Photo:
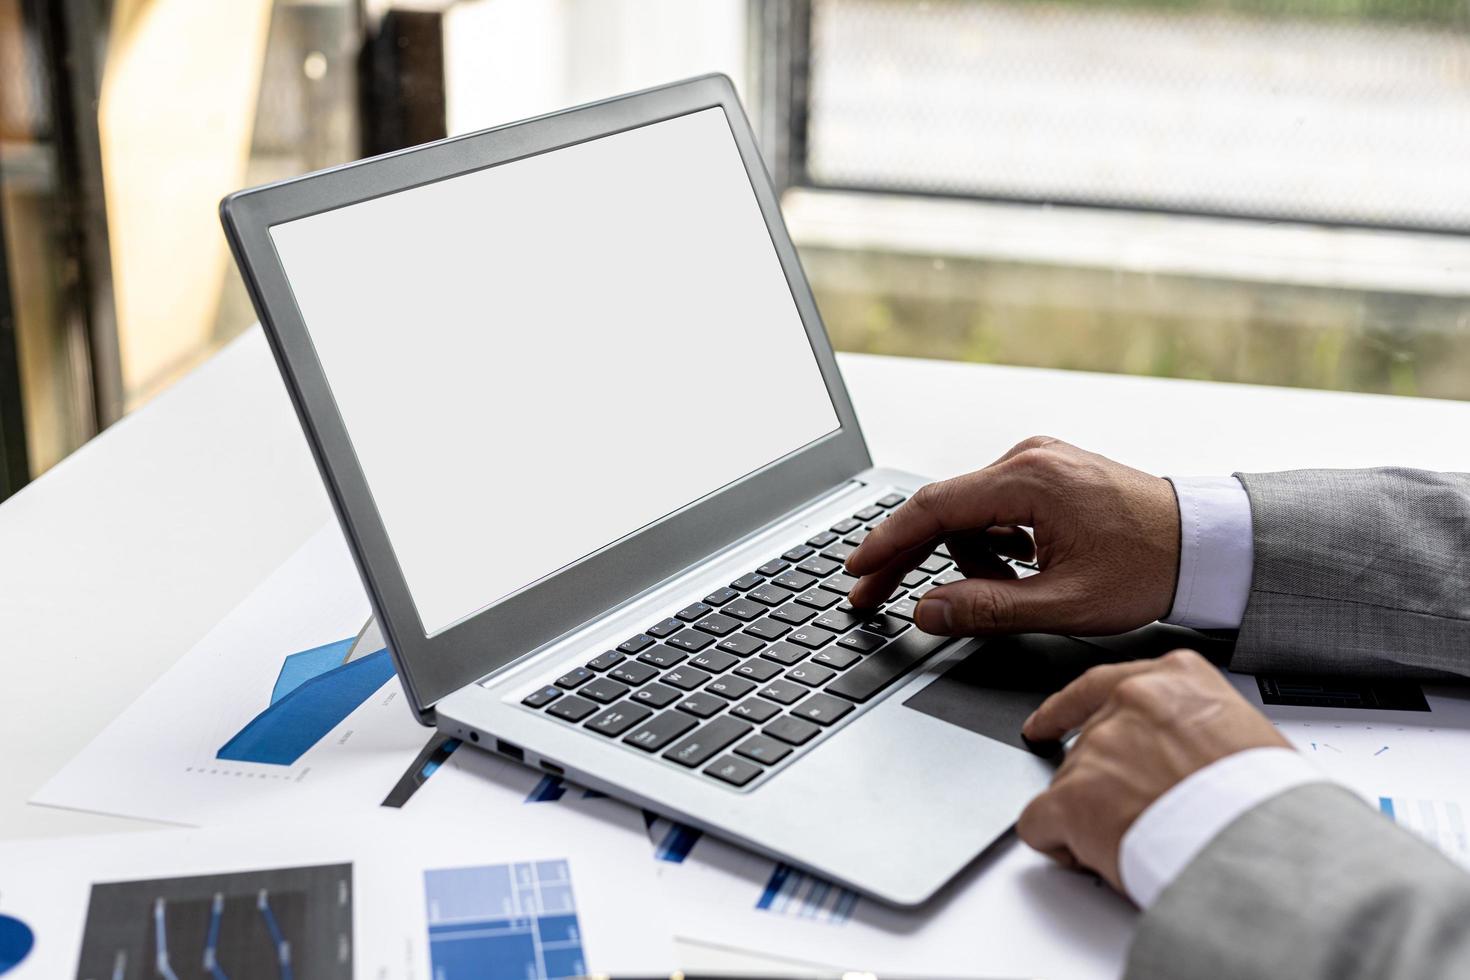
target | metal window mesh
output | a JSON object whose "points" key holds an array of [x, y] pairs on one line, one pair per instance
{"points": [[1354, 111]]}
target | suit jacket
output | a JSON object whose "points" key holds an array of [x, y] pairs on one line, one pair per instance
{"points": [[1356, 571]]}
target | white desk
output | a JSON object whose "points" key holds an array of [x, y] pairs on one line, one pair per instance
{"points": [[117, 561]]}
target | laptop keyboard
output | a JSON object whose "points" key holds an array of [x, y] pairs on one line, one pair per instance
{"points": [[732, 685]]}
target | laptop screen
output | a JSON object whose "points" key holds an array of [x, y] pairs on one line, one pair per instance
{"points": [[535, 360]]}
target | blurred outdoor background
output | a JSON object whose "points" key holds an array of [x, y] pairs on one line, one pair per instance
{"points": [[1263, 191]]}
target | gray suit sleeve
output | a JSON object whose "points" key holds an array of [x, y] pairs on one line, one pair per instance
{"points": [[1312, 884], [1358, 571]]}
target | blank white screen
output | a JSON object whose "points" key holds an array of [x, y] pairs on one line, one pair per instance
{"points": [[535, 360]]}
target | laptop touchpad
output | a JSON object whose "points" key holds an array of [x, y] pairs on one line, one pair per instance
{"points": [[991, 691]]}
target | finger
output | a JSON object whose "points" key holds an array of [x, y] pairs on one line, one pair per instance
{"points": [[1012, 542], [1070, 707], [981, 499], [982, 607], [875, 588], [983, 564], [1031, 442], [1043, 827]]}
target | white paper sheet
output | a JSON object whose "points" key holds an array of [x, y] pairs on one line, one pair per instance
{"points": [[1401, 762], [160, 758], [384, 895], [1013, 913]]}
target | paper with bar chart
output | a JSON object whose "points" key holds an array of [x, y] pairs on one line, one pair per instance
{"points": [[271, 710], [1393, 743], [385, 895]]}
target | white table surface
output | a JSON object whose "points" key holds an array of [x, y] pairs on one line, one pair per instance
{"points": [[119, 559]]}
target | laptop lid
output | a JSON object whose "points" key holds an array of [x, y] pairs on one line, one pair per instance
{"points": [[546, 366]]}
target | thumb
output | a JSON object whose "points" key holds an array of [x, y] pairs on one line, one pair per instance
{"points": [[978, 606]]}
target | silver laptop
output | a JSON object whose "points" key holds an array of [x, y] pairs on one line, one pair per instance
{"points": [[583, 429]]}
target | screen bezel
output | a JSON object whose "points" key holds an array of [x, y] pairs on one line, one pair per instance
{"points": [[431, 667]]}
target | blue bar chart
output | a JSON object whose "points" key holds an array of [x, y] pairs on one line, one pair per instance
{"points": [[503, 922]]}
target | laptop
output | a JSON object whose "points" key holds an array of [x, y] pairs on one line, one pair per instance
{"points": [[583, 429]]}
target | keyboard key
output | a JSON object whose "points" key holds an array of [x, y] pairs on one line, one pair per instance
{"points": [[933, 565], [702, 705], [783, 692], [685, 678], [691, 641], [693, 611], [661, 630], [618, 719], [857, 537], [660, 730], [768, 629], [736, 772], [838, 620], [572, 708], [922, 591], [747, 581], [818, 566], [812, 637], [818, 598], [885, 625], [774, 567], [784, 653], [720, 596], [861, 642], [836, 657], [740, 644], [756, 710], [794, 731], [656, 695], [637, 644], [758, 670], [914, 578], [661, 656], [714, 661], [793, 613], [794, 580], [903, 610], [841, 583], [868, 513], [603, 661], [743, 608], [717, 625], [822, 709], [763, 749], [574, 678], [886, 666], [707, 739], [848, 524], [812, 675], [771, 595], [730, 687], [541, 698], [950, 577], [821, 540], [838, 552], [604, 690], [633, 673], [891, 500], [797, 553]]}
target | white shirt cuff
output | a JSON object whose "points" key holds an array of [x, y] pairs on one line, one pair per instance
{"points": [[1215, 553], [1179, 824]]}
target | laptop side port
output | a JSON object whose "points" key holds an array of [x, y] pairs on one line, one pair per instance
{"points": [[553, 768], [513, 751]]}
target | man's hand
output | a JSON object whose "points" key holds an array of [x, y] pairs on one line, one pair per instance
{"points": [[1145, 725], [1107, 542]]}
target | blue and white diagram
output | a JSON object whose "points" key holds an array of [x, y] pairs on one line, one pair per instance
{"points": [[503, 922], [802, 896]]}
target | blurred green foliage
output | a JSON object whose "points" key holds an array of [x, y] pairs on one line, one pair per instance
{"points": [[1133, 323]]}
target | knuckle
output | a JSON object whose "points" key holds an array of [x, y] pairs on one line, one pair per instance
{"points": [[1183, 658], [1134, 691]]}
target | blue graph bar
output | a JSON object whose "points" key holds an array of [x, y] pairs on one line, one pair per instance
{"points": [[311, 708], [503, 922], [800, 895], [1385, 805]]}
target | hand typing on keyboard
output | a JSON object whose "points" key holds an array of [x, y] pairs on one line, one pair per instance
{"points": [[1106, 544]]}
